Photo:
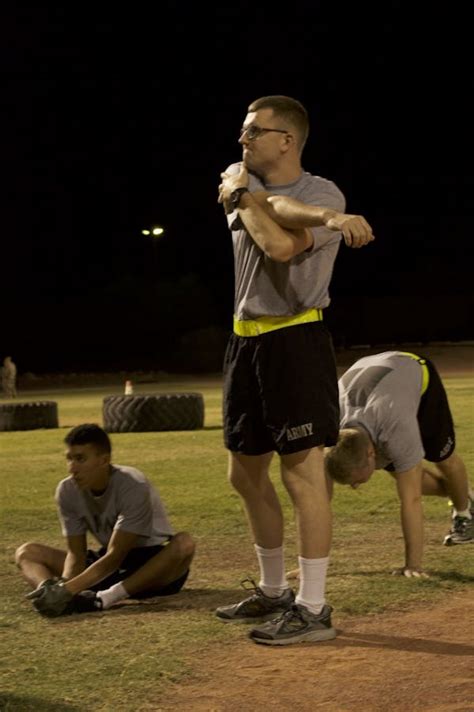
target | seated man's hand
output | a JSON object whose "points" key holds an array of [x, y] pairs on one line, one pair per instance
{"points": [[44, 584], [410, 573], [51, 599]]}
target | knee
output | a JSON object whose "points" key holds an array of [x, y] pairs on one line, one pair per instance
{"points": [[302, 488], [185, 545], [25, 552], [248, 484], [452, 465], [239, 483]]}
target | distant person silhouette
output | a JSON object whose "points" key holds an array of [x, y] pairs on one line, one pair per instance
{"points": [[9, 378]]}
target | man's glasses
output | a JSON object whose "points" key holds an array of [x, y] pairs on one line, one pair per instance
{"points": [[253, 131]]}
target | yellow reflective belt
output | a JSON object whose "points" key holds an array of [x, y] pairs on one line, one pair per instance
{"points": [[424, 368], [272, 323]]}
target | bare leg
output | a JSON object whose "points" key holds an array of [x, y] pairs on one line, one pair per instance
{"points": [[38, 562], [433, 483], [457, 485], [248, 474], [304, 478], [164, 568]]}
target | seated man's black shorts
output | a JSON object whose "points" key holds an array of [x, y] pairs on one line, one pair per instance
{"points": [[135, 559]]}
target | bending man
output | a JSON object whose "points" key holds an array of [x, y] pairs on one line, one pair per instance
{"points": [[394, 416]]}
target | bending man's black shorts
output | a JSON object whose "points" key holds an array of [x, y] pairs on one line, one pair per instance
{"points": [[435, 419]]}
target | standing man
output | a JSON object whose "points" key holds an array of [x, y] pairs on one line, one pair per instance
{"points": [[139, 555], [280, 391], [395, 414], [9, 377]]}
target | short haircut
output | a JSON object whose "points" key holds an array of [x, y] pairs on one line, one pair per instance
{"points": [[290, 110], [89, 434], [349, 453]]}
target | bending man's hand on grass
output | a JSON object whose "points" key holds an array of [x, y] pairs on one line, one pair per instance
{"points": [[410, 573]]}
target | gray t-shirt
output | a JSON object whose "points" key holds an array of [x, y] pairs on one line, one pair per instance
{"points": [[264, 287], [129, 503], [382, 393]]}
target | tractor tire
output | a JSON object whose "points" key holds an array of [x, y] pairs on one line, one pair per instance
{"points": [[141, 414], [28, 416]]}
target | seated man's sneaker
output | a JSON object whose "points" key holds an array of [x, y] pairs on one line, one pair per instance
{"points": [[297, 625], [257, 607], [85, 602]]}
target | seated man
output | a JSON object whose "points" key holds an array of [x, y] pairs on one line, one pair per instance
{"points": [[395, 414], [139, 555]]}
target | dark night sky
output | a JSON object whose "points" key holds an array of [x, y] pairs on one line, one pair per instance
{"points": [[115, 120]]}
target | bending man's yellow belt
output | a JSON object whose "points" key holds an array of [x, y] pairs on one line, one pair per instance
{"points": [[271, 323], [424, 368]]}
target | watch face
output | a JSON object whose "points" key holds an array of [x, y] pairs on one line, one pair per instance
{"points": [[236, 195]]}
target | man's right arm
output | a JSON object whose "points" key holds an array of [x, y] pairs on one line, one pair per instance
{"points": [[75, 561], [276, 242], [279, 243], [409, 489]]}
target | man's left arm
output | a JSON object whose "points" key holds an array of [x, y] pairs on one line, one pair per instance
{"points": [[55, 600], [121, 542], [409, 487], [293, 214]]}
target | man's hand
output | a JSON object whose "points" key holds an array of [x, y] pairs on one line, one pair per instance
{"points": [[51, 599], [410, 573], [231, 183], [44, 584], [355, 229]]}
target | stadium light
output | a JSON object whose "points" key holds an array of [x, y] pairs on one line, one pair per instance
{"points": [[155, 231]]}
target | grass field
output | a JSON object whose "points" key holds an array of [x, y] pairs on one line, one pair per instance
{"points": [[127, 658]]}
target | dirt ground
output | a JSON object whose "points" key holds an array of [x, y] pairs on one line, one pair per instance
{"points": [[417, 660]]}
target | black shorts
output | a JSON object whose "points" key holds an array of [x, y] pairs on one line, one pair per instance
{"points": [[135, 559], [435, 419], [280, 391]]}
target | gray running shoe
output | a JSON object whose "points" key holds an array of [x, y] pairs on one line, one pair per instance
{"points": [[257, 607], [462, 532], [297, 625]]}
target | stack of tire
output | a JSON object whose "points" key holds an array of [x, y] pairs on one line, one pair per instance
{"points": [[148, 413], [28, 416]]}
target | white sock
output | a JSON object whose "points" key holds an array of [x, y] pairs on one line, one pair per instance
{"points": [[312, 583], [272, 571], [465, 513], [112, 595]]}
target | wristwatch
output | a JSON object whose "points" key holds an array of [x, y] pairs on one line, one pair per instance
{"points": [[235, 196]]}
